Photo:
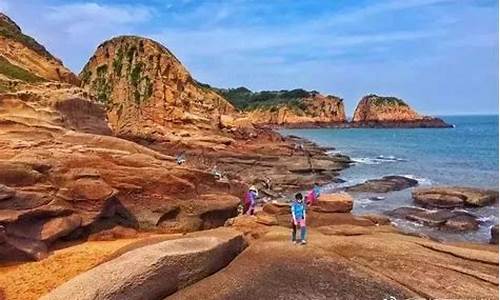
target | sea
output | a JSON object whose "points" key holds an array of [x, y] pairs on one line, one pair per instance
{"points": [[466, 155]]}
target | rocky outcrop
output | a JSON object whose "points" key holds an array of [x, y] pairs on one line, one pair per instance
{"points": [[149, 95], [158, 270], [451, 197], [23, 59], [334, 203], [366, 262], [379, 111], [61, 176], [314, 111], [456, 220], [383, 185]]}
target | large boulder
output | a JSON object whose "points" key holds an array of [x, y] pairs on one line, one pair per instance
{"points": [[450, 197], [383, 185], [334, 203], [158, 270]]}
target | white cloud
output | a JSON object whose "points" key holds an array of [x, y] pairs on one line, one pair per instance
{"points": [[99, 14]]}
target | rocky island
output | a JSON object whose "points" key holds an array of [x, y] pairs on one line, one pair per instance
{"points": [[288, 109], [94, 205], [378, 111]]}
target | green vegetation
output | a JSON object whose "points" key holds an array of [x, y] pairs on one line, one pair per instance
{"points": [[378, 100], [9, 30], [85, 76], [15, 72], [245, 99], [101, 85], [118, 62]]}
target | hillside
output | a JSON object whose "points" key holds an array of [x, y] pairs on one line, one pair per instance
{"points": [[147, 91], [286, 108], [23, 59]]}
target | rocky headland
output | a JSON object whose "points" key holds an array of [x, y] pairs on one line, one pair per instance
{"points": [[94, 205], [391, 112]]}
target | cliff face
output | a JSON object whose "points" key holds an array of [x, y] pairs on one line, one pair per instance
{"points": [[379, 111], [313, 111], [147, 91], [23, 58]]}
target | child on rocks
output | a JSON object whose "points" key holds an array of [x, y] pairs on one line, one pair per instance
{"points": [[299, 218]]}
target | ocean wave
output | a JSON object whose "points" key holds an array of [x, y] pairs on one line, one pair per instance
{"points": [[377, 160], [421, 180]]}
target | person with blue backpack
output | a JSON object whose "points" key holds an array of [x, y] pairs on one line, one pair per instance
{"points": [[298, 208]]}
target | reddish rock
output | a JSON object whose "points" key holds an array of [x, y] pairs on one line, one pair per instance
{"points": [[330, 203], [277, 208], [117, 232], [379, 111]]}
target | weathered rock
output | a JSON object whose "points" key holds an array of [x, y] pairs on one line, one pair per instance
{"points": [[377, 219], [27, 60], [277, 208], [334, 203], [134, 77], [378, 111], [315, 110], [450, 197], [383, 185], [372, 266], [446, 219], [158, 270], [494, 235], [117, 232], [266, 219]]}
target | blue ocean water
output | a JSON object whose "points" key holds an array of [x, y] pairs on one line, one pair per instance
{"points": [[466, 155]]}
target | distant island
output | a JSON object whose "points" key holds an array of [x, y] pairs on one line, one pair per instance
{"points": [[299, 108]]}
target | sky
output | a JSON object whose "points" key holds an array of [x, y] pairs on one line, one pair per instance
{"points": [[441, 56]]}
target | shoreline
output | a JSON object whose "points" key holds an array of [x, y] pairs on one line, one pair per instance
{"points": [[481, 236]]}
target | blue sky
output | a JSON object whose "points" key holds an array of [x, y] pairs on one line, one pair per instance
{"points": [[439, 55]]}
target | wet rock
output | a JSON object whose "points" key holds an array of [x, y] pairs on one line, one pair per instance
{"points": [[450, 197], [445, 219], [384, 185], [377, 219], [330, 203], [155, 271], [494, 235]]}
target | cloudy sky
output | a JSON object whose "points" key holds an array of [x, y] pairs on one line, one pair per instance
{"points": [[440, 55]]}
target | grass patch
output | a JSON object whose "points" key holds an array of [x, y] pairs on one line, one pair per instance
{"points": [[15, 72], [11, 31]]}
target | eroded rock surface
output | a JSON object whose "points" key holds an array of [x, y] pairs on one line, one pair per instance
{"points": [[379, 111], [383, 185], [450, 197], [158, 270]]}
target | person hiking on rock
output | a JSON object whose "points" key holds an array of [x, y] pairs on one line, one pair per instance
{"points": [[313, 195], [299, 218], [250, 200]]}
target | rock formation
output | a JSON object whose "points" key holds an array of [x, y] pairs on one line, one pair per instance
{"points": [[66, 174], [149, 95], [379, 111], [383, 185], [451, 197], [23, 59], [158, 270], [313, 111]]}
